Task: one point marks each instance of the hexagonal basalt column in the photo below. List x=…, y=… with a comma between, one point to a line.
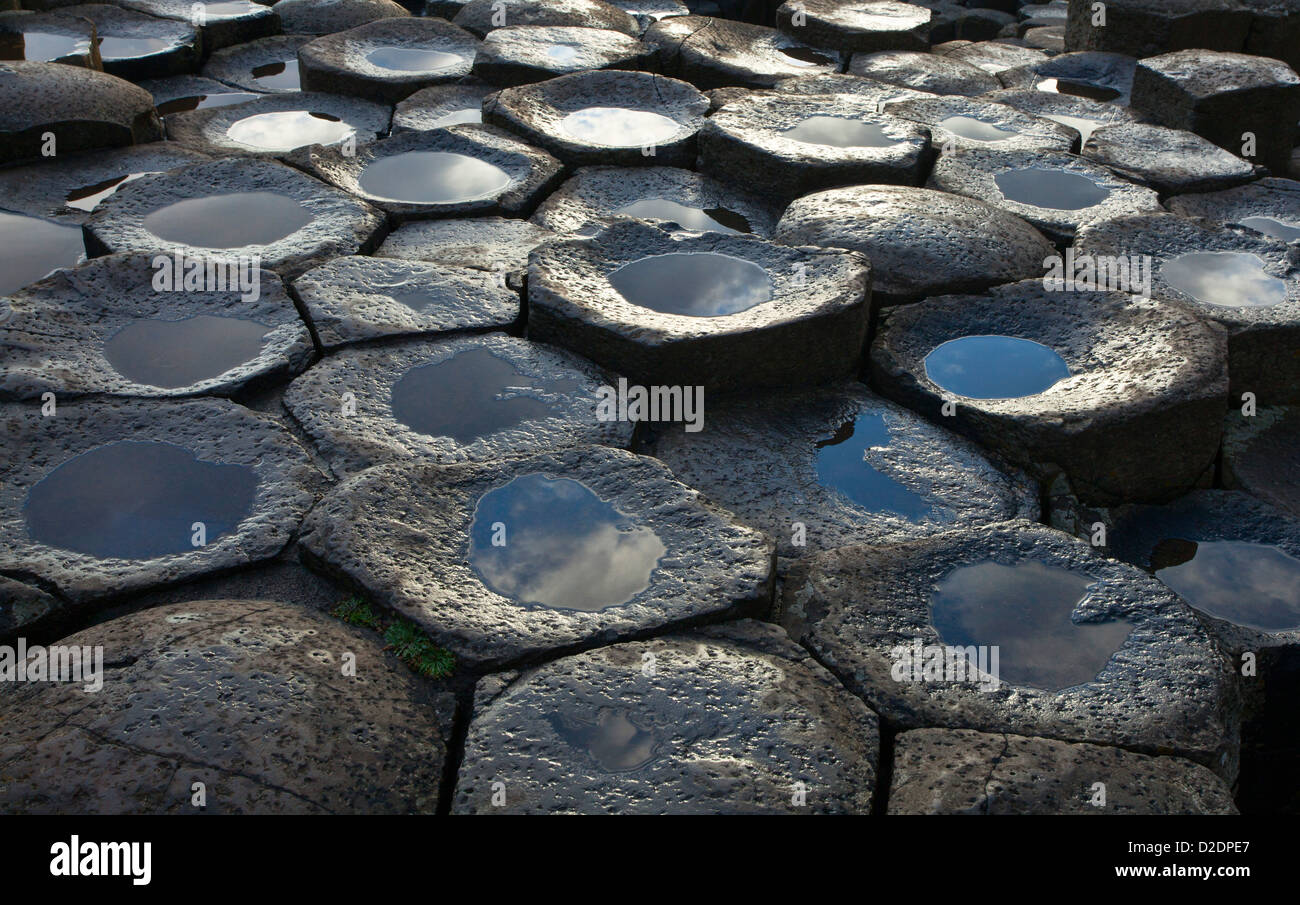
x=1143, y=27
x=992, y=56
x=32, y=248
x=1261, y=455
x=1269, y=206
x=523, y=54
x=276, y=125
x=133, y=45
x=717, y=53
x=960, y=771
x=701, y=309
x=1018, y=628
x=389, y=59
x=1081, y=114
x=960, y=122
x=1167, y=160
x=49, y=38
x=860, y=28
x=105, y=327
x=605, y=117
x=267, y=64
x=108, y=497
x=484, y=16
x=1247, y=283
x=496, y=244
x=1102, y=77
x=516, y=560
x=255, y=711
x=235, y=207
x=440, y=106
x=1055, y=191
x=793, y=145
x=224, y=23
x=327, y=17
x=731, y=719
x=1048, y=377
x=184, y=93
x=879, y=93
x=471, y=398
x=354, y=299
x=920, y=242
x=923, y=72
x=826, y=468
x=692, y=200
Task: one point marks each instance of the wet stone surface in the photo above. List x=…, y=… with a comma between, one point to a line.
x=716, y=53
x=225, y=22
x=266, y=722
x=701, y=309
x=326, y=17
x=267, y=64
x=32, y=248
x=1167, y=160
x=924, y=72
x=186, y=93
x=109, y=497
x=692, y=200
x=1270, y=206
x=729, y=721
x=861, y=27
x=104, y=328
x=1045, y=375
x=1139, y=669
x=275, y=125
x=1095, y=76
x=439, y=106
x=846, y=465
x=920, y=242
x=958, y=122
x=1261, y=455
x=569, y=582
x=518, y=55
x=259, y=207
x=354, y=299
x=134, y=45
x=960, y=771
x=1082, y=114
x=1243, y=281
x=469, y=398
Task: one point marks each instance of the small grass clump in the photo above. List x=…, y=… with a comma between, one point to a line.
x=355, y=611
x=405, y=639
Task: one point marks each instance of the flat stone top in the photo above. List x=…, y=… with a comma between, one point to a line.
x=1206, y=73
x=34, y=93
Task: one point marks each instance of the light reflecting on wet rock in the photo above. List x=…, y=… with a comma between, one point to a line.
x=226, y=9
x=465, y=115
x=40, y=46
x=433, y=177
x=113, y=48
x=204, y=101
x=840, y=132
x=976, y=129
x=1233, y=279
x=233, y=220
x=714, y=219
x=470, y=395
x=562, y=53
x=1255, y=585
x=611, y=738
x=30, y=248
x=1024, y=610
x=413, y=59
x=994, y=367
x=619, y=127
x=1270, y=226
x=1085, y=127
x=285, y=130
x=841, y=465
x=1055, y=189
x=88, y=197
x=1076, y=88
x=805, y=56
x=703, y=284
x=177, y=353
x=137, y=500
x=560, y=545
x=279, y=76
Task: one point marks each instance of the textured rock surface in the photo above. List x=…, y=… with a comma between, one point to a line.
x=481, y=16
x=878, y=92
x=1079, y=113
x=1261, y=455
x=522, y=54
x=76, y=34
x=440, y=105
x=416, y=563
x=862, y=27
x=267, y=64
x=248, y=698
x=324, y=17
x=222, y=26
x=208, y=131
x=495, y=244
x=924, y=72
x=183, y=93
x=948, y=119
x=1140, y=28
x=732, y=719
x=1106, y=77
x=717, y=53
x=1276, y=200
x=1167, y=160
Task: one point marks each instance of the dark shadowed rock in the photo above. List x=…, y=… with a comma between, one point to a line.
x=962, y=122
x=733, y=719
x=483, y=16
x=258, y=708
x=275, y=125
x=523, y=54
x=1167, y=160
x=1140, y=28
x=862, y=27
x=440, y=106
x=49, y=38
x=223, y=24
x=183, y=93
x=718, y=53
x=1261, y=455
x=267, y=64
x=327, y=17
x=21, y=605
x=599, y=545
x=924, y=72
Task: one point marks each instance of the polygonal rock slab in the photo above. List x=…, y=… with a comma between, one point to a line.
x=483, y=16
x=82, y=108
x=1256, y=299
x=522, y=54
x=133, y=45
x=1140, y=28
x=1167, y=160
x=1060, y=191
x=1097, y=76
x=326, y=17
x=389, y=59
x=519, y=559
x=692, y=200
x=924, y=72
x=275, y=125
x=260, y=207
x=225, y=23
x=1223, y=96
x=22, y=605
x=961, y=122
x=991, y=56
x=960, y=771
x=1089, y=649
x=496, y=244
x=460, y=170
x=104, y=327
x=862, y=27
x=1269, y=206
x=183, y=93
x=779, y=316
x=267, y=64
x=248, y=698
x=604, y=117
x=879, y=93
x=439, y=106
x=67, y=189
x=354, y=299
x=838, y=466
x=730, y=719
x=1123, y=426
x=793, y=145
x=1079, y=113
x=49, y=38
x=718, y=53
x=462, y=399
x=1261, y=455
x=127, y=517
x=920, y=242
